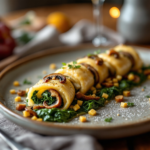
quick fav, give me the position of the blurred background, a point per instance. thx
(71, 22)
(7, 6)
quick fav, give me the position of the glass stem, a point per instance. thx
(97, 12)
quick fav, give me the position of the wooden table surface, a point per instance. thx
(84, 11)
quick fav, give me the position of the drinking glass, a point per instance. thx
(97, 13)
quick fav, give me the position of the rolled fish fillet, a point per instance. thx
(137, 62)
(66, 91)
(121, 65)
(81, 78)
(102, 69)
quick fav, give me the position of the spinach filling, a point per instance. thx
(57, 115)
(46, 96)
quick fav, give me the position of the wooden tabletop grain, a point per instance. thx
(84, 11)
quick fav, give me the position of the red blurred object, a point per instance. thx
(7, 43)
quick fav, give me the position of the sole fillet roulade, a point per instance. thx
(81, 77)
(137, 60)
(66, 91)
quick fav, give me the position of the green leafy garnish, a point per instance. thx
(108, 119)
(89, 55)
(63, 63)
(74, 62)
(144, 87)
(25, 22)
(97, 52)
(130, 104)
(26, 82)
(147, 96)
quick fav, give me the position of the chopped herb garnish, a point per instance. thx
(108, 119)
(97, 52)
(130, 104)
(70, 66)
(26, 82)
(89, 55)
(144, 87)
(147, 96)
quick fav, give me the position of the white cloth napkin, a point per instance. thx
(39, 142)
(83, 31)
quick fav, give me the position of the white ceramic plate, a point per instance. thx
(131, 121)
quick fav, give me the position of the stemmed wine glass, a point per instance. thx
(97, 13)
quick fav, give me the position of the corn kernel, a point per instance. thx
(94, 92)
(44, 72)
(131, 77)
(79, 102)
(98, 86)
(126, 93)
(106, 102)
(71, 106)
(123, 105)
(17, 99)
(115, 80)
(104, 95)
(39, 119)
(93, 88)
(27, 90)
(118, 114)
(52, 66)
(82, 119)
(116, 84)
(26, 114)
(76, 107)
(142, 89)
(119, 77)
(149, 99)
(94, 95)
(148, 77)
(92, 112)
(34, 118)
(12, 91)
(16, 83)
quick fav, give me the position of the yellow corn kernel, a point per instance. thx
(115, 80)
(118, 114)
(52, 66)
(27, 90)
(126, 93)
(39, 119)
(149, 99)
(116, 84)
(82, 119)
(124, 105)
(98, 86)
(119, 77)
(92, 112)
(71, 106)
(16, 83)
(93, 88)
(106, 102)
(44, 72)
(12, 91)
(94, 95)
(94, 92)
(148, 77)
(34, 118)
(104, 95)
(79, 102)
(131, 77)
(76, 107)
(17, 99)
(26, 114)
(143, 89)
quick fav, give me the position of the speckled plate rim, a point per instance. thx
(6, 111)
